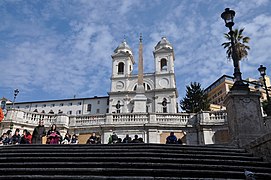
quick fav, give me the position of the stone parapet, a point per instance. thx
(261, 147)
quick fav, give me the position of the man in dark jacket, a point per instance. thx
(38, 133)
(171, 139)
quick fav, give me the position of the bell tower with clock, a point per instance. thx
(165, 85)
(122, 68)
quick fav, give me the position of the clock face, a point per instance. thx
(164, 82)
(119, 85)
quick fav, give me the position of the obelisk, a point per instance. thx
(140, 99)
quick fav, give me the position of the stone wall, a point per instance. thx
(261, 147)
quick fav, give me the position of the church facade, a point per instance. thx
(143, 104)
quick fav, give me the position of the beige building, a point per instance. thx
(220, 88)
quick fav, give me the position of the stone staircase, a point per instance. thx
(128, 161)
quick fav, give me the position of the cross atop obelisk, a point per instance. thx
(140, 100)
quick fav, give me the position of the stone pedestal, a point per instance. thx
(244, 117)
(140, 100)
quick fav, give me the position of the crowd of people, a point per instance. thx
(52, 136)
(113, 139)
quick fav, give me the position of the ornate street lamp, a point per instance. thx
(228, 16)
(262, 71)
(16, 92)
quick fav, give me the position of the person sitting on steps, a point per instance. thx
(171, 139)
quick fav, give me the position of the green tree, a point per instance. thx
(240, 42)
(195, 99)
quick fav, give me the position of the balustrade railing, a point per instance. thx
(180, 118)
(130, 118)
(90, 120)
(32, 118)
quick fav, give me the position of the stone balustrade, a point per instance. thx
(33, 118)
(212, 118)
(131, 118)
(181, 119)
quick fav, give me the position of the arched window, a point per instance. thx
(146, 86)
(121, 68)
(163, 64)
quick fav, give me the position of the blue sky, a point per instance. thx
(57, 49)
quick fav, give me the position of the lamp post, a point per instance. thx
(16, 92)
(228, 16)
(262, 71)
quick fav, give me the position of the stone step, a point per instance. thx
(130, 146)
(128, 161)
(139, 165)
(127, 154)
(135, 159)
(86, 177)
(89, 149)
(129, 172)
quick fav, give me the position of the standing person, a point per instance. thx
(171, 139)
(53, 135)
(16, 138)
(113, 138)
(26, 137)
(38, 133)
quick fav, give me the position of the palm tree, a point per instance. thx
(240, 44)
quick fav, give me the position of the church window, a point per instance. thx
(89, 108)
(146, 86)
(51, 112)
(164, 104)
(35, 110)
(121, 68)
(98, 111)
(163, 64)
